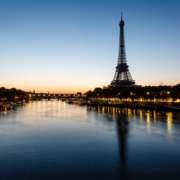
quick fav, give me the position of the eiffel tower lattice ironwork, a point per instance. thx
(122, 75)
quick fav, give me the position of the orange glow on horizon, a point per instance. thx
(40, 87)
(68, 87)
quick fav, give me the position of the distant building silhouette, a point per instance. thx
(122, 75)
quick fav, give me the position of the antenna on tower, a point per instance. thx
(121, 15)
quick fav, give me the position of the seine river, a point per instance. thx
(54, 140)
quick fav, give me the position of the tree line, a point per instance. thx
(136, 92)
(12, 94)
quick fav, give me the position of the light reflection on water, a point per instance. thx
(148, 117)
(54, 140)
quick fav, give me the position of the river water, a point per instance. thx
(55, 140)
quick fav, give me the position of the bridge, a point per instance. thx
(50, 96)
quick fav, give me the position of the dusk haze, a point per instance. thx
(69, 46)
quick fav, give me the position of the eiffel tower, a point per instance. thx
(122, 75)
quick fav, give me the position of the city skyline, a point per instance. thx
(67, 46)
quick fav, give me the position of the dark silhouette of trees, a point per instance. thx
(12, 94)
(137, 92)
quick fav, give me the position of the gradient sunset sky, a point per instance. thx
(72, 45)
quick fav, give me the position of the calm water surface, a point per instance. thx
(54, 140)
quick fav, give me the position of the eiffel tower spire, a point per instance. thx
(122, 75)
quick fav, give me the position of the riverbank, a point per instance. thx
(159, 105)
(8, 106)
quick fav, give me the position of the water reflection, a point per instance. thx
(149, 117)
(121, 118)
(122, 133)
(55, 139)
(169, 121)
(157, 123)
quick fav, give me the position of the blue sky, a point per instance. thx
(72, 45)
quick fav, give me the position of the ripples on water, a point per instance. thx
(54, 140)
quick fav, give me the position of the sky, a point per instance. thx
(72, 45)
